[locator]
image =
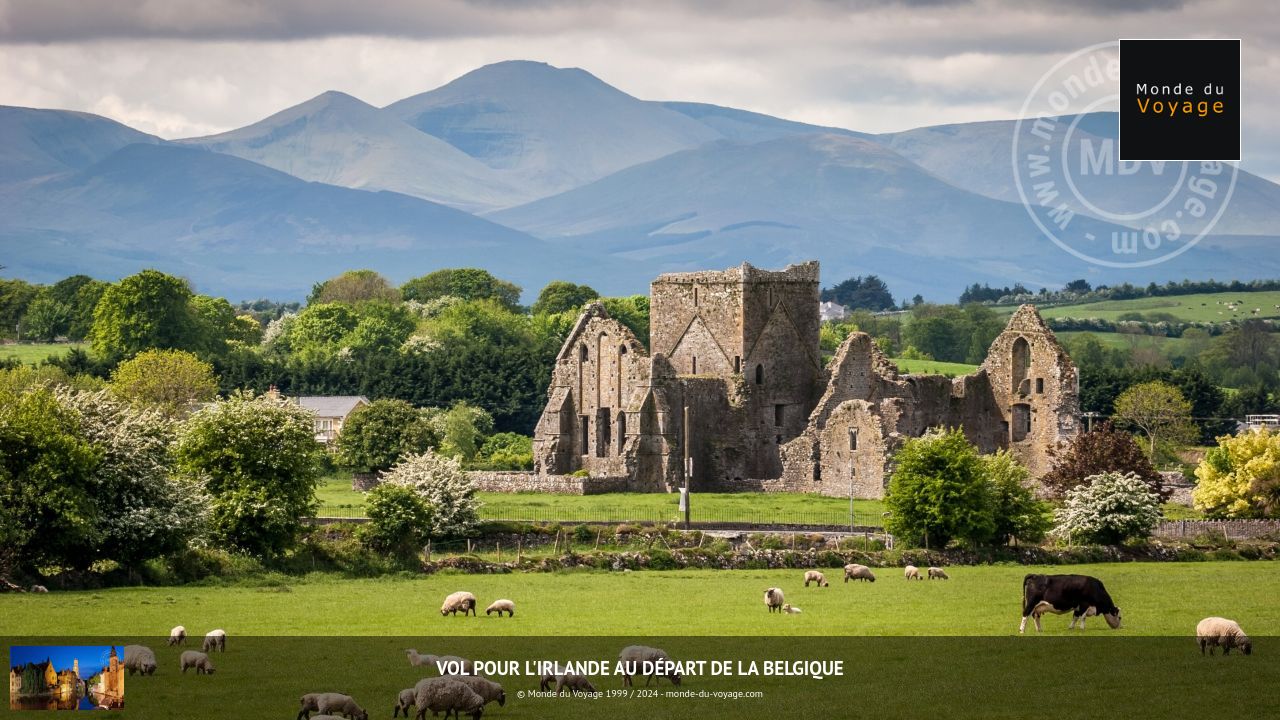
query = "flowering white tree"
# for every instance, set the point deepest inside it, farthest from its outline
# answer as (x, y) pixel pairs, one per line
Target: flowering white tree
(444, 487)
(1109, 509)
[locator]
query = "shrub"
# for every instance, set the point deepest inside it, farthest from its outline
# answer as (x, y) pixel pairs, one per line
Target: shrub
(447, 492)
(1112, 508)
(1241, 477)
(376, 436)
(1016, 511)
(506, 451)
(1105, 449)
(400, 520)
(939, 492)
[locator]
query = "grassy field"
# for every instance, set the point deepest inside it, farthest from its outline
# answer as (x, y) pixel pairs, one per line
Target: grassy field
(1168, 346)
(1205, 307)
(934, 367)
(33, 353)
(909, 649)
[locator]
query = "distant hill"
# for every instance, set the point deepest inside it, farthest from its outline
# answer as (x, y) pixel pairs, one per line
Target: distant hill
(39, 143)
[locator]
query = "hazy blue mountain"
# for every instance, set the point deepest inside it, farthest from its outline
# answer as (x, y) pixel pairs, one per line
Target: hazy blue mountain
(244, 230)
(977, 157)
(335, 138)
(746, 126)
(549, 129)
(36, 143)
(853, 204)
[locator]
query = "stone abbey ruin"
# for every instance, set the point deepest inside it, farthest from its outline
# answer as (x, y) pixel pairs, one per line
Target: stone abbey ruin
(736, 352)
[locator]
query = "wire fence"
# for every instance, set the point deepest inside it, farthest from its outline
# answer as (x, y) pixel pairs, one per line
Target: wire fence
(650, 516)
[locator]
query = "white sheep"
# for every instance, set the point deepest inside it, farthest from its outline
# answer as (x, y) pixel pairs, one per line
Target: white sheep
(1213, 632)
(640, 654)
(177, 636)
(447, 694)
(773, 599)
(815, 576)
(501, 606)
(434, 661)
(215, 640)
(574, 684)
(403, 702)
(460, 601)
(911, 572)
(139, 659)
(791, 609)
(198, 660)
(549, 678)
(416, 658)
(331, 703)
(484, 687)
(853, 571)
(39, 589)
(937, 573)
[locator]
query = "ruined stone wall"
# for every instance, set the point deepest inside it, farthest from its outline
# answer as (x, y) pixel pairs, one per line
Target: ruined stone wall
(530, 481)
(705, 306)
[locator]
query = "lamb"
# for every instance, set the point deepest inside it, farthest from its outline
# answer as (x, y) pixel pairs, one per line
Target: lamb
(416, 659)
(215, 640)
(459, 601)
(773, 599)
(177, 636)
(139, 659)
(484, 687)
(858, 572)
(937, 573)
(434, 661)
(330, 703)
(815, 576)
(501, 606)
(403, 703)
(791, 609)
(575, 684)
(197, 660)
(640, 654)
(549, 678)
(447, 694)
(911, 572)
(1213, 632)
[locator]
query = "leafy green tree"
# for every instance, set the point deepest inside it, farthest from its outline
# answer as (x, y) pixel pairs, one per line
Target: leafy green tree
(381, 328)
(1017, 513)
(215, 323)
(447, 492)
(939, 492)
(353, 287)
(258, 460)
(506, 451)
(377, 435)
(46, 317)
(462, 430)
(1104, 449)
(1159, 412)
(464, 283)
(632, 311)
(171, 381)
(321, 327)
(15, 296)
(144, 311)
(560, 296)
(867, 293)
(1240, 478)
(1109, 510)
(400, 520)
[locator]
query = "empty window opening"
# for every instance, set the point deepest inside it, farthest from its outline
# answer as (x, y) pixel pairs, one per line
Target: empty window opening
(582, 353)
(778, 439)
(853, 439)
(695, 364)
(584, 426)
(605, 428)
(1021, 362)
(759, 374)
(695, 296)
(779, 412)
(737, 363)
(1039, 386)
(622, 430)
(1021, 421)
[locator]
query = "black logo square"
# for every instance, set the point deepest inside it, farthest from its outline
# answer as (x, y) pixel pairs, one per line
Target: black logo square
(1180, 100)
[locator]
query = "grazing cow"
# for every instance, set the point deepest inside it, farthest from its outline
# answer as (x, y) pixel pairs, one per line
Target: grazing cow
(1080, 595)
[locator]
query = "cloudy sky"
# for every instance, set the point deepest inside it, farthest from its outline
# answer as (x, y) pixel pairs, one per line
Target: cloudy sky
(178, 68)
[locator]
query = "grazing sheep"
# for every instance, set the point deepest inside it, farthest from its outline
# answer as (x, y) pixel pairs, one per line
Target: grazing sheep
(215, 640)
(460, 601)
(484, 687)
(139, 659)
(640, 654)
(433, 661)
(331, 703)
(177, 636)
(815, 576)
(937, 573)
(549, 678)
(403, 703)
(858, 572)
(575, 684)
(197, 660)
(416, 659)
(501, 606)
(791, 609)
(911, 572)
(773, 599)
(1213, 632)
(39, 589)
(449, 695)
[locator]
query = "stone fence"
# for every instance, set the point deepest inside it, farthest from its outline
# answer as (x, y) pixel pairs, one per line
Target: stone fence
(529, 481)
(1231, 529)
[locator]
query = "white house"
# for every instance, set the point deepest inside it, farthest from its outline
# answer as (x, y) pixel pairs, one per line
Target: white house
(331, 412)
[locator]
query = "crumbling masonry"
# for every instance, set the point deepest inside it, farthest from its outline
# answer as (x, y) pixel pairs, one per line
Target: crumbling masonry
(737, 353)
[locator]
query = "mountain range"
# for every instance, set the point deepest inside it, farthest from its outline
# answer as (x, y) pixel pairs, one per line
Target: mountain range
(540, 173)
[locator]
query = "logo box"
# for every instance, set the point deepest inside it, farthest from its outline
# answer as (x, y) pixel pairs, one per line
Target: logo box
(1180, 100)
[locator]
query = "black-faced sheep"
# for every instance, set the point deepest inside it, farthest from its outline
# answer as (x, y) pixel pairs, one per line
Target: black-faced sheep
(139, 659)
(815, 576)
(198, 660)
(501, 606)
(331, 703)
(449, 695)
(640, 654)
(215, 640)
(1215, 632)
(177, 636)
(461, 601)
(773, 599)
(403, 702)
(937, 573)
(854, 571)
(911, 572)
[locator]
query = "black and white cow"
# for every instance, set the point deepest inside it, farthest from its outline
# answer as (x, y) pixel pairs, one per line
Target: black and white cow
(1080, 595)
